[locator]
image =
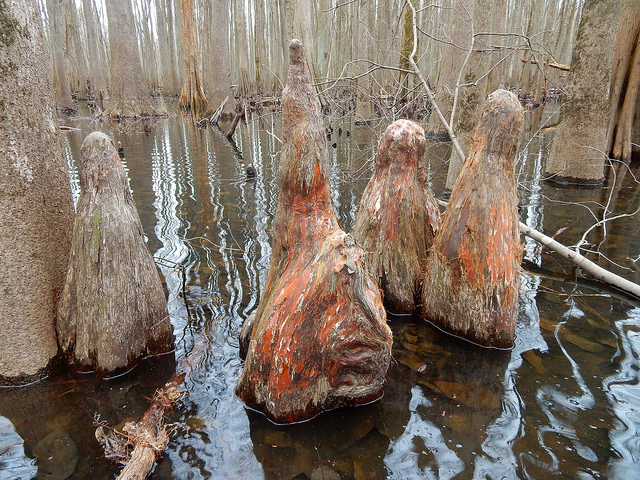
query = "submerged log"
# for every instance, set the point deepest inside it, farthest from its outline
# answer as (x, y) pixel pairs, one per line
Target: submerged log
(398, 217)
(113, 310)
(472, 277)
(319, 338)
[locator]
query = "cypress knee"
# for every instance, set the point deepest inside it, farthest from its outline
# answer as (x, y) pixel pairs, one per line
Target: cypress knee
(319, 338)
(113, 310)
(398, 217)
(472, 277)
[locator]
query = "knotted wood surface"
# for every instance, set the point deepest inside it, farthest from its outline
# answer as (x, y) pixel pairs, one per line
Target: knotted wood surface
(113, 309)
(398, 217)
(472, 277)
(319, 338)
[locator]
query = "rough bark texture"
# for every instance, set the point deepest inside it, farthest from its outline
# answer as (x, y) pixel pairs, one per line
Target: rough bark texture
(192, 97)
(36, 211)
(472, 277)
(320, 338)
(398, 217)
(625, 83)
(113, 310)
(129, 94)
(578, 152)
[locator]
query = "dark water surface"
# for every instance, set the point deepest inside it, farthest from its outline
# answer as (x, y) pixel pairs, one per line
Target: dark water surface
(564, 402)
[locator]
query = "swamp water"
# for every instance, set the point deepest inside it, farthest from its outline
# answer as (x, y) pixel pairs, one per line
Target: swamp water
(564, 402)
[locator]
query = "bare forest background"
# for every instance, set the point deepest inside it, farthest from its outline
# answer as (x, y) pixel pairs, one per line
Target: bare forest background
(359, 51)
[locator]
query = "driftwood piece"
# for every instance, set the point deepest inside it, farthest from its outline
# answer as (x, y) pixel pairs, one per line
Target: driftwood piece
(398, 217)
(319, 338)
(113, 309)
(148, 437)
(472, 277)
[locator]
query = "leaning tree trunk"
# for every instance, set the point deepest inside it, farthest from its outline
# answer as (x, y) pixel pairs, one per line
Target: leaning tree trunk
(36, 211)
(472, 277)
(398, 216)
(319, 339)
(113, 310)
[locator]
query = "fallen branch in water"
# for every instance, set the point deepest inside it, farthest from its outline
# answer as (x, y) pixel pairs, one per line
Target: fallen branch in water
(149, 436)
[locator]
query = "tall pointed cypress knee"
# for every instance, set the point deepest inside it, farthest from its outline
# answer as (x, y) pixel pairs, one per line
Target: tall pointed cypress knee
(398, 217)
(319, 339)
(472, 277)
(113, 309)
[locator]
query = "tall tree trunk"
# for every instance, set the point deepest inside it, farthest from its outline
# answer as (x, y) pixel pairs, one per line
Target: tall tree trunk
(97, 56)
(36, 211)
(55, 9)
(129, 95)
(319, 338)
(398, 217)
(472, 277)
(112, 310)
(217, 79)
(167, 43)
(192, 97)
(625, 83)
(579, 152)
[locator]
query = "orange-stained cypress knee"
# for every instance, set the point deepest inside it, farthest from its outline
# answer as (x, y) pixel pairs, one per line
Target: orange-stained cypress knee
(319, 338)
(398, 217)
(473, 270)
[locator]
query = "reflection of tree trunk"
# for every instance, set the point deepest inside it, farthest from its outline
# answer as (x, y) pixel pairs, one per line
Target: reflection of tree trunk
(578, 151)
(192, 97)
(473, 272)
(36, 212)
(625, 83)
(319, 338)
(129, 96)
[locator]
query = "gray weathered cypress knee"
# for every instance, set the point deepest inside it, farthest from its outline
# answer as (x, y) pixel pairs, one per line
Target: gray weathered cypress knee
(398, 217)
(113, 310)
(473, 276)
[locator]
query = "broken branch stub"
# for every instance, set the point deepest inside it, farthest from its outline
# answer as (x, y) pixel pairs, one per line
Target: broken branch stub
(112, 311)
(319, 338)
(472, 277)
(398, 216)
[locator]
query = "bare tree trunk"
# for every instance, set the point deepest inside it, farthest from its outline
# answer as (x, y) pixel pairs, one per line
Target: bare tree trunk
(55, 9)
(98, 63)
(398, 217)
(217, 79)
(472, 277)
(192, 97)
(625, 83)
(579, 147)
(129, 95)
(36, 212)
(112, 310)
(319, 338)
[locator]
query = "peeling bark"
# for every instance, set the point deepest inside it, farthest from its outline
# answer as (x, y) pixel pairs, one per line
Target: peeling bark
(472, 277)
(398, 217)
(320, 338)
(113, 310)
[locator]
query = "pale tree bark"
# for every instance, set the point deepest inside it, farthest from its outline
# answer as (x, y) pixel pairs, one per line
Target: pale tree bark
(167, 35)
(129, 94)
(36, 211)
(77, 51)
(215, 41)
(625, 83)
(57, 32)
(300, 24)
(364, 47)
(97, 54)
(192, 97)
(579, 147)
